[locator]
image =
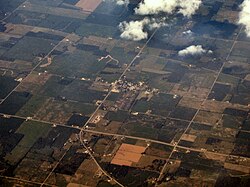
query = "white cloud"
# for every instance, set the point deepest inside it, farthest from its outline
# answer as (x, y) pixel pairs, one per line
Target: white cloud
(157, 23)
(151, 7)
(188, 32)
(210, 52)
(137, 30)
(193, 50)
(189, 7)
(134, 30)
(120, 2)
(245, 16)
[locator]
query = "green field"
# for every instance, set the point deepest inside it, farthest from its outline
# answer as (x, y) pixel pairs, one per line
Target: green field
(32, 131)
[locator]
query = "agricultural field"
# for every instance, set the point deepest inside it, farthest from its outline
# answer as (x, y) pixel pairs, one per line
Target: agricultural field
(87, 101)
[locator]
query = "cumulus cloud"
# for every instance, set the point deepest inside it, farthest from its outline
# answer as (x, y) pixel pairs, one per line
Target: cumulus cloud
(149, 7)
(157, 23)
(245, 16)
(134, 30)
(122, 2)
(193, 50)
(137, 30)
(188, 32)
(119, 2)
(189, 7)
(185, 7)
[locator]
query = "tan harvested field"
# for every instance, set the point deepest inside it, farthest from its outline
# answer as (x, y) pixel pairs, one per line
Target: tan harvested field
(219, 107)
(96, 41)
(88, 5)
(121, 162)
(191, 92)
(33, 82)
(132, 148)
(237, 167)
(188, 137)
(76, 185)
(190, 102)
(209, 118)
(215, 156)
(128, 154)
(40, 79)
(215, 106)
